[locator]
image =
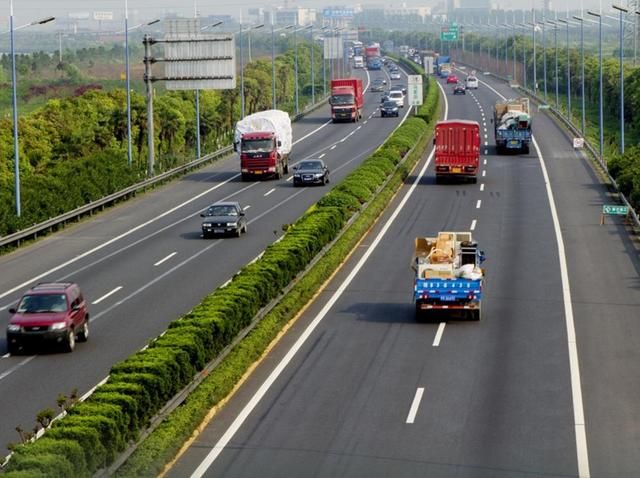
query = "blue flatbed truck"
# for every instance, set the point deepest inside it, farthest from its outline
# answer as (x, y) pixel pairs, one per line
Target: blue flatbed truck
(512, 125)
(449, 280)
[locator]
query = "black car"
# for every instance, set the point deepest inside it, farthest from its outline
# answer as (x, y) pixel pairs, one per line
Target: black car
(224, 218)
(389, 108)
(459, 88)
(310, 171)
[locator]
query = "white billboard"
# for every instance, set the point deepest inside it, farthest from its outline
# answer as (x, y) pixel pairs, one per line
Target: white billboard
(333, 48)
(103, 16)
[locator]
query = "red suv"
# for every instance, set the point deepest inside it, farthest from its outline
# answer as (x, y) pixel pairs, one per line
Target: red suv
(51, 312)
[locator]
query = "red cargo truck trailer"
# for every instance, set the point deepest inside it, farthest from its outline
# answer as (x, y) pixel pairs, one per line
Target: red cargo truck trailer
(457, 150)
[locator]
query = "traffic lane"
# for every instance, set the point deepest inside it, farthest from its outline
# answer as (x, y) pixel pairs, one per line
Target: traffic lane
(520, 243)
(133, 272)
(604, 269)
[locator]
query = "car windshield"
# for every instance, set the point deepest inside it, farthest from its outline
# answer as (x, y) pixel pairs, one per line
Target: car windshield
(341, 100)
(389, 104)
(472, 79)
(396, 94)
(222, 211)
(41, 303)
(310, 165)
(257, 145)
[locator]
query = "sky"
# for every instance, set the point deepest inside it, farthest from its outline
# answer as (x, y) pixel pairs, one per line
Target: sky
(28, 10)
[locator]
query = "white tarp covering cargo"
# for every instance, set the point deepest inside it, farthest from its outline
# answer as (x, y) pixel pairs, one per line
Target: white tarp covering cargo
(269, 120)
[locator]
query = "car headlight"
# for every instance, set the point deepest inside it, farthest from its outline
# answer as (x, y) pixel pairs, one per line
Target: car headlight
(206, 224)
(297, 175)
(13, 328)
(58, 326)
(319, 175)
(232, 224)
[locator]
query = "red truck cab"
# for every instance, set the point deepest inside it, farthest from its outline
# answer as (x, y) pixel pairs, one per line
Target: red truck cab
(259, 155)
(346, 99)
(457, 150)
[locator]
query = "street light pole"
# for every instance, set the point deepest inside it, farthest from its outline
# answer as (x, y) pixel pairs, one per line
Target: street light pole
(583, 119)
(555, 43)
(601, 120)
(622, 10)
(127, 80)
(544, 58)
(566, 22)
(273, 62)
(295, 46)
(242, 68)
(313, 76)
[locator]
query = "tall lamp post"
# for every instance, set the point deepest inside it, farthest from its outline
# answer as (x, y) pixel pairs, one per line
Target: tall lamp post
(273, 61)
(600, 120)
(566, 22)
(583, 119)
(255, 27)
(622, 10)
(555, 44)
(544, 57)
(14, 97)
(524, 59)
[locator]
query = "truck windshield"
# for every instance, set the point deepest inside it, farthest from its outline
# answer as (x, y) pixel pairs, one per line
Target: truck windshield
(342, 100)
(257, 145)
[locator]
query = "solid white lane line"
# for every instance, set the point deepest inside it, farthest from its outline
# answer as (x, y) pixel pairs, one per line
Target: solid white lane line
(333, 147)
(269, 191)
(582, 449)
(273, 376)
(414, 405)
(439, 332)
(473, 225)
(322, 155)
(479, 203)
(311, 133)
(482, 187)
(108, 294)
(3, 307)
(165, 259)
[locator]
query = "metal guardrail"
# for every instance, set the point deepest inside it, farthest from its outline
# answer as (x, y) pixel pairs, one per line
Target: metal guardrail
(46, 226)
(588, 146)
(33, 231)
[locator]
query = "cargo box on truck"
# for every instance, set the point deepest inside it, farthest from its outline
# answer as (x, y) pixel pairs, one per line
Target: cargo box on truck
(346, 99)
(457, 150)
(264, 141)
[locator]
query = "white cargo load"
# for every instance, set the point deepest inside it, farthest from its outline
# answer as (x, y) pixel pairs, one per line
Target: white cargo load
(269, 120)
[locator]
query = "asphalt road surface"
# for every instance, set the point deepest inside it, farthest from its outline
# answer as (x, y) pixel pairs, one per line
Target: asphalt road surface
(144, 263)
(545, 385)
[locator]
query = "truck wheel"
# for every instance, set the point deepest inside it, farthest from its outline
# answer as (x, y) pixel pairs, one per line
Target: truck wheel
(474, 180)
(244, 177)
(14, 349)
(525, 149)
(476, 314)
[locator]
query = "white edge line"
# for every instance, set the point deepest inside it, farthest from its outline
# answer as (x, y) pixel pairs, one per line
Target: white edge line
(413, 411)
(165, 259)
(106, 295)
(438, 337)
(255, 399)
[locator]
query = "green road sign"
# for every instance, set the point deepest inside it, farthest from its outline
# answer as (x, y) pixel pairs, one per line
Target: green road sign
(449, 35)
(615, 210)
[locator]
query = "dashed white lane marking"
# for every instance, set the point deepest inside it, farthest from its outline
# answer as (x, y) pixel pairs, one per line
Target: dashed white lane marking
(269, 191)
(333, 147)
(479, 203)
(484, 173)
(365, 122)
(17, 366)
(7, 355)
(3, 307)
(357, 128)
(482, 187)
(108, 294)
(439, 332)
(413, 411)
(322, 155)
(288, 179)
(473, 225)
(485, 152)
(165, 259)
(249, 205)
(486, 143)
(486, 135)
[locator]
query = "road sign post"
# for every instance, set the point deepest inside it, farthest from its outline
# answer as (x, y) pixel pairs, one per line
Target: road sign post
(414, 93)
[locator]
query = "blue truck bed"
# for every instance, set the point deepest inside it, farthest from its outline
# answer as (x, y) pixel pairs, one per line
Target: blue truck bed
(462, 295)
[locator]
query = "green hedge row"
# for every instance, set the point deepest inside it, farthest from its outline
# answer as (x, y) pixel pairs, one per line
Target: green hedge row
(95, 431)
(625, 169)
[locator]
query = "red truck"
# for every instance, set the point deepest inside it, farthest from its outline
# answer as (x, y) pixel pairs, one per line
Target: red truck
(346, 99)
(372, 50)
(457, 146)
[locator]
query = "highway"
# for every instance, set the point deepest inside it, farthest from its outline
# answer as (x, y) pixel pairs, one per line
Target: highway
(144, 263)
(545, 385)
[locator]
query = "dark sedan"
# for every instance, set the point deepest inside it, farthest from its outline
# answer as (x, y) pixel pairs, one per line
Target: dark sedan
(224, 218)
(389, 108)
(310, 171)
(378, 85)
(459, 89)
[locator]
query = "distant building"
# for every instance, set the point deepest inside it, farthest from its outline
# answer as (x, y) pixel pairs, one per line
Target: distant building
(289, 16)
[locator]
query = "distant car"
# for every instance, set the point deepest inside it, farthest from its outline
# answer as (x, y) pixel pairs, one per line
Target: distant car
(459, 88)
(384, 97)
(389, 108)
(395, 75)
(398, 97)
(452, 78)
(310, 171)
(393, 68)
(378, 85)
(224, 218)
(472, 82)
(50, 312)
(399, 86)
